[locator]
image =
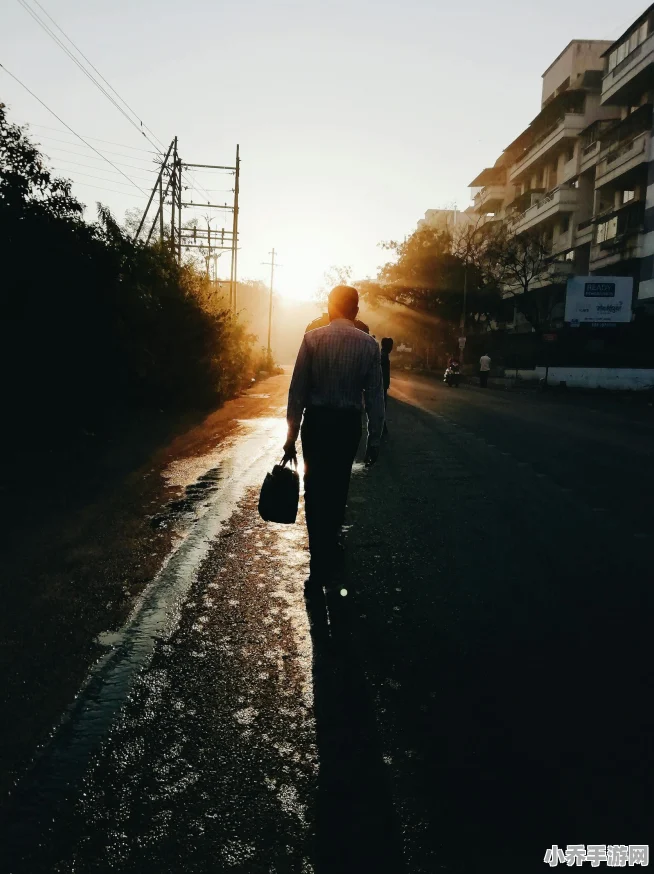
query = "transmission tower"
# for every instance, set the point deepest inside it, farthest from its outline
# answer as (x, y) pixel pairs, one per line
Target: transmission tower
(168, 188)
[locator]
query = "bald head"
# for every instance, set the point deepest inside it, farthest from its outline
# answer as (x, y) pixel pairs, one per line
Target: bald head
(343, 302)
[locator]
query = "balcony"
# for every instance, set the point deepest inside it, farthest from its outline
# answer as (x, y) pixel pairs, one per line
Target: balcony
(559, 200)
(567, 127)
(622, 247)
(564, 242)
(584, 233)
(618, 160)
(629, 76)
(618, 235)
(489, 199)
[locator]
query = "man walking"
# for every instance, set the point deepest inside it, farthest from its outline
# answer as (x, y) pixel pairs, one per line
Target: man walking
(336, 375)
(386, 349)
(484, 370)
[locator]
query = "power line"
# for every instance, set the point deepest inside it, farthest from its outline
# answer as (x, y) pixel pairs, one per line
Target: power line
(113, 190)
(140, 126)
(80, 173)
(81, 66)
(124, 102)
(61, 121)
(105, 151)
(92, 158)
(97, 139)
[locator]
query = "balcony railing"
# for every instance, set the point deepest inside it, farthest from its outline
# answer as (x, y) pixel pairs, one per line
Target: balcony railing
(491, 194)
(561, 199)
(616, 157)
(568, 125)
(619, 76)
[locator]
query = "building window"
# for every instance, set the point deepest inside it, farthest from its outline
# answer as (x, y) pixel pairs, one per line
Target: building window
(565, 224)
(607, 230)
(643, 31)
(628, 195)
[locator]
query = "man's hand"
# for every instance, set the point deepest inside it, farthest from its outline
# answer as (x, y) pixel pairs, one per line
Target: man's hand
(372, 454)
(290, 452)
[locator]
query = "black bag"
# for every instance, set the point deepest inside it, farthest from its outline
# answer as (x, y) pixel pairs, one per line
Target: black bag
(280, 495)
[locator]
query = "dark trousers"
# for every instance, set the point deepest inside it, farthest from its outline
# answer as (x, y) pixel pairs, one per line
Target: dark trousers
(329, 444)
(483, 378)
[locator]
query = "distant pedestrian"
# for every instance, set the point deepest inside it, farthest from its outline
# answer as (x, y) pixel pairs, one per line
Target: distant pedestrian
(386, 349)
(336, 374)
(484, 370)
(323, 320)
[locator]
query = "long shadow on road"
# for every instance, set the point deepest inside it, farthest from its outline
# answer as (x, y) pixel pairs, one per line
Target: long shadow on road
(506, 638)
(356, 827)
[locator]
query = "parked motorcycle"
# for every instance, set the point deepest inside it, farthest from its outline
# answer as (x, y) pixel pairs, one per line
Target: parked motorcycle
(452, 375)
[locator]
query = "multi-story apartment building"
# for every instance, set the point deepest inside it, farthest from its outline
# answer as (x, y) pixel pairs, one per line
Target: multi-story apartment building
(582, 173)
(449, 220)
(623, 232)
(544, 180)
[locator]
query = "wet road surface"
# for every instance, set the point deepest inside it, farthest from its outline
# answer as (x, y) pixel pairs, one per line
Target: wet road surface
(474, 689)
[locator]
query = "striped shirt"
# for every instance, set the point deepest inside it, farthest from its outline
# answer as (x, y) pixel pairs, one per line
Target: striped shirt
(338, 367)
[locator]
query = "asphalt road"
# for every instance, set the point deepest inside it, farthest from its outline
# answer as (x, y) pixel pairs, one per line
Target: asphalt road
(474, 689)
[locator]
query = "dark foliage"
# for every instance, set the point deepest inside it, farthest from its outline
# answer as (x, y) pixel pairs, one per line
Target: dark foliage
(92, 322)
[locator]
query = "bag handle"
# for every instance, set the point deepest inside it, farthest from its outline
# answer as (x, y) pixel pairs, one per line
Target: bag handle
(285, 461)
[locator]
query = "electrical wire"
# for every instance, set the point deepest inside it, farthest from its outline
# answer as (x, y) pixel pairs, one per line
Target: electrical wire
(61, 121)
(97, 139)
(81, 66)
(113, 190)
(92, 158)
(104, 151)
(140, 126)
(95, 69)
(90, 167)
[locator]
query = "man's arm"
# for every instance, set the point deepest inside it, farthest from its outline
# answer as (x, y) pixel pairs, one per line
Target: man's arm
(297, 397)
(373, 393)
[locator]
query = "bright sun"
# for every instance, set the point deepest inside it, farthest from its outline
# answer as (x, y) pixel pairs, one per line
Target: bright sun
(298, 282)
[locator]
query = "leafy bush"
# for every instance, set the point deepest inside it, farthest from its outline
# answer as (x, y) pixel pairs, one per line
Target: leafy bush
(92, 321)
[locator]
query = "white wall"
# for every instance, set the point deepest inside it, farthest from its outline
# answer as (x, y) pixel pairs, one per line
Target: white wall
(579, 56)
(616, 378)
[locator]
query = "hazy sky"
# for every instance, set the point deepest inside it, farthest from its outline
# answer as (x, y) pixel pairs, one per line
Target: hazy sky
(353, 117)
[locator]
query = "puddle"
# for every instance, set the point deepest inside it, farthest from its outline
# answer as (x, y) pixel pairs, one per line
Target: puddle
(222, 477)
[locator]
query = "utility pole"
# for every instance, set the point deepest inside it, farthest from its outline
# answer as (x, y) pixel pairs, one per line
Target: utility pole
(178, 165)
(216, 240)
(173, 197)
(234, 267)
(272, 280)
(161, 215)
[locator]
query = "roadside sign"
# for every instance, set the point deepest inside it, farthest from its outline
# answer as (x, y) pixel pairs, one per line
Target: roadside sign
(595, 299)
(462, 342)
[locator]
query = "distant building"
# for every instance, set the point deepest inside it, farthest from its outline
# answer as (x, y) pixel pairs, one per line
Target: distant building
(544, 181)
(582, 173)
(623, 231)
(447, 219)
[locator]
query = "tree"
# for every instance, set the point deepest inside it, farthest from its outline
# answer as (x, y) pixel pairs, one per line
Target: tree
(27, 187)
(99, 322)
(332, 277)
(521, 264)
(428, 275)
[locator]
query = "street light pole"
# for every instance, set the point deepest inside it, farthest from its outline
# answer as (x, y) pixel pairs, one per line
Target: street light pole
(270, 305)
(462, 324)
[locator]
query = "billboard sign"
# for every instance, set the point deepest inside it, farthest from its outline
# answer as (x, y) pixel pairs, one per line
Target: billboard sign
(598, 299)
